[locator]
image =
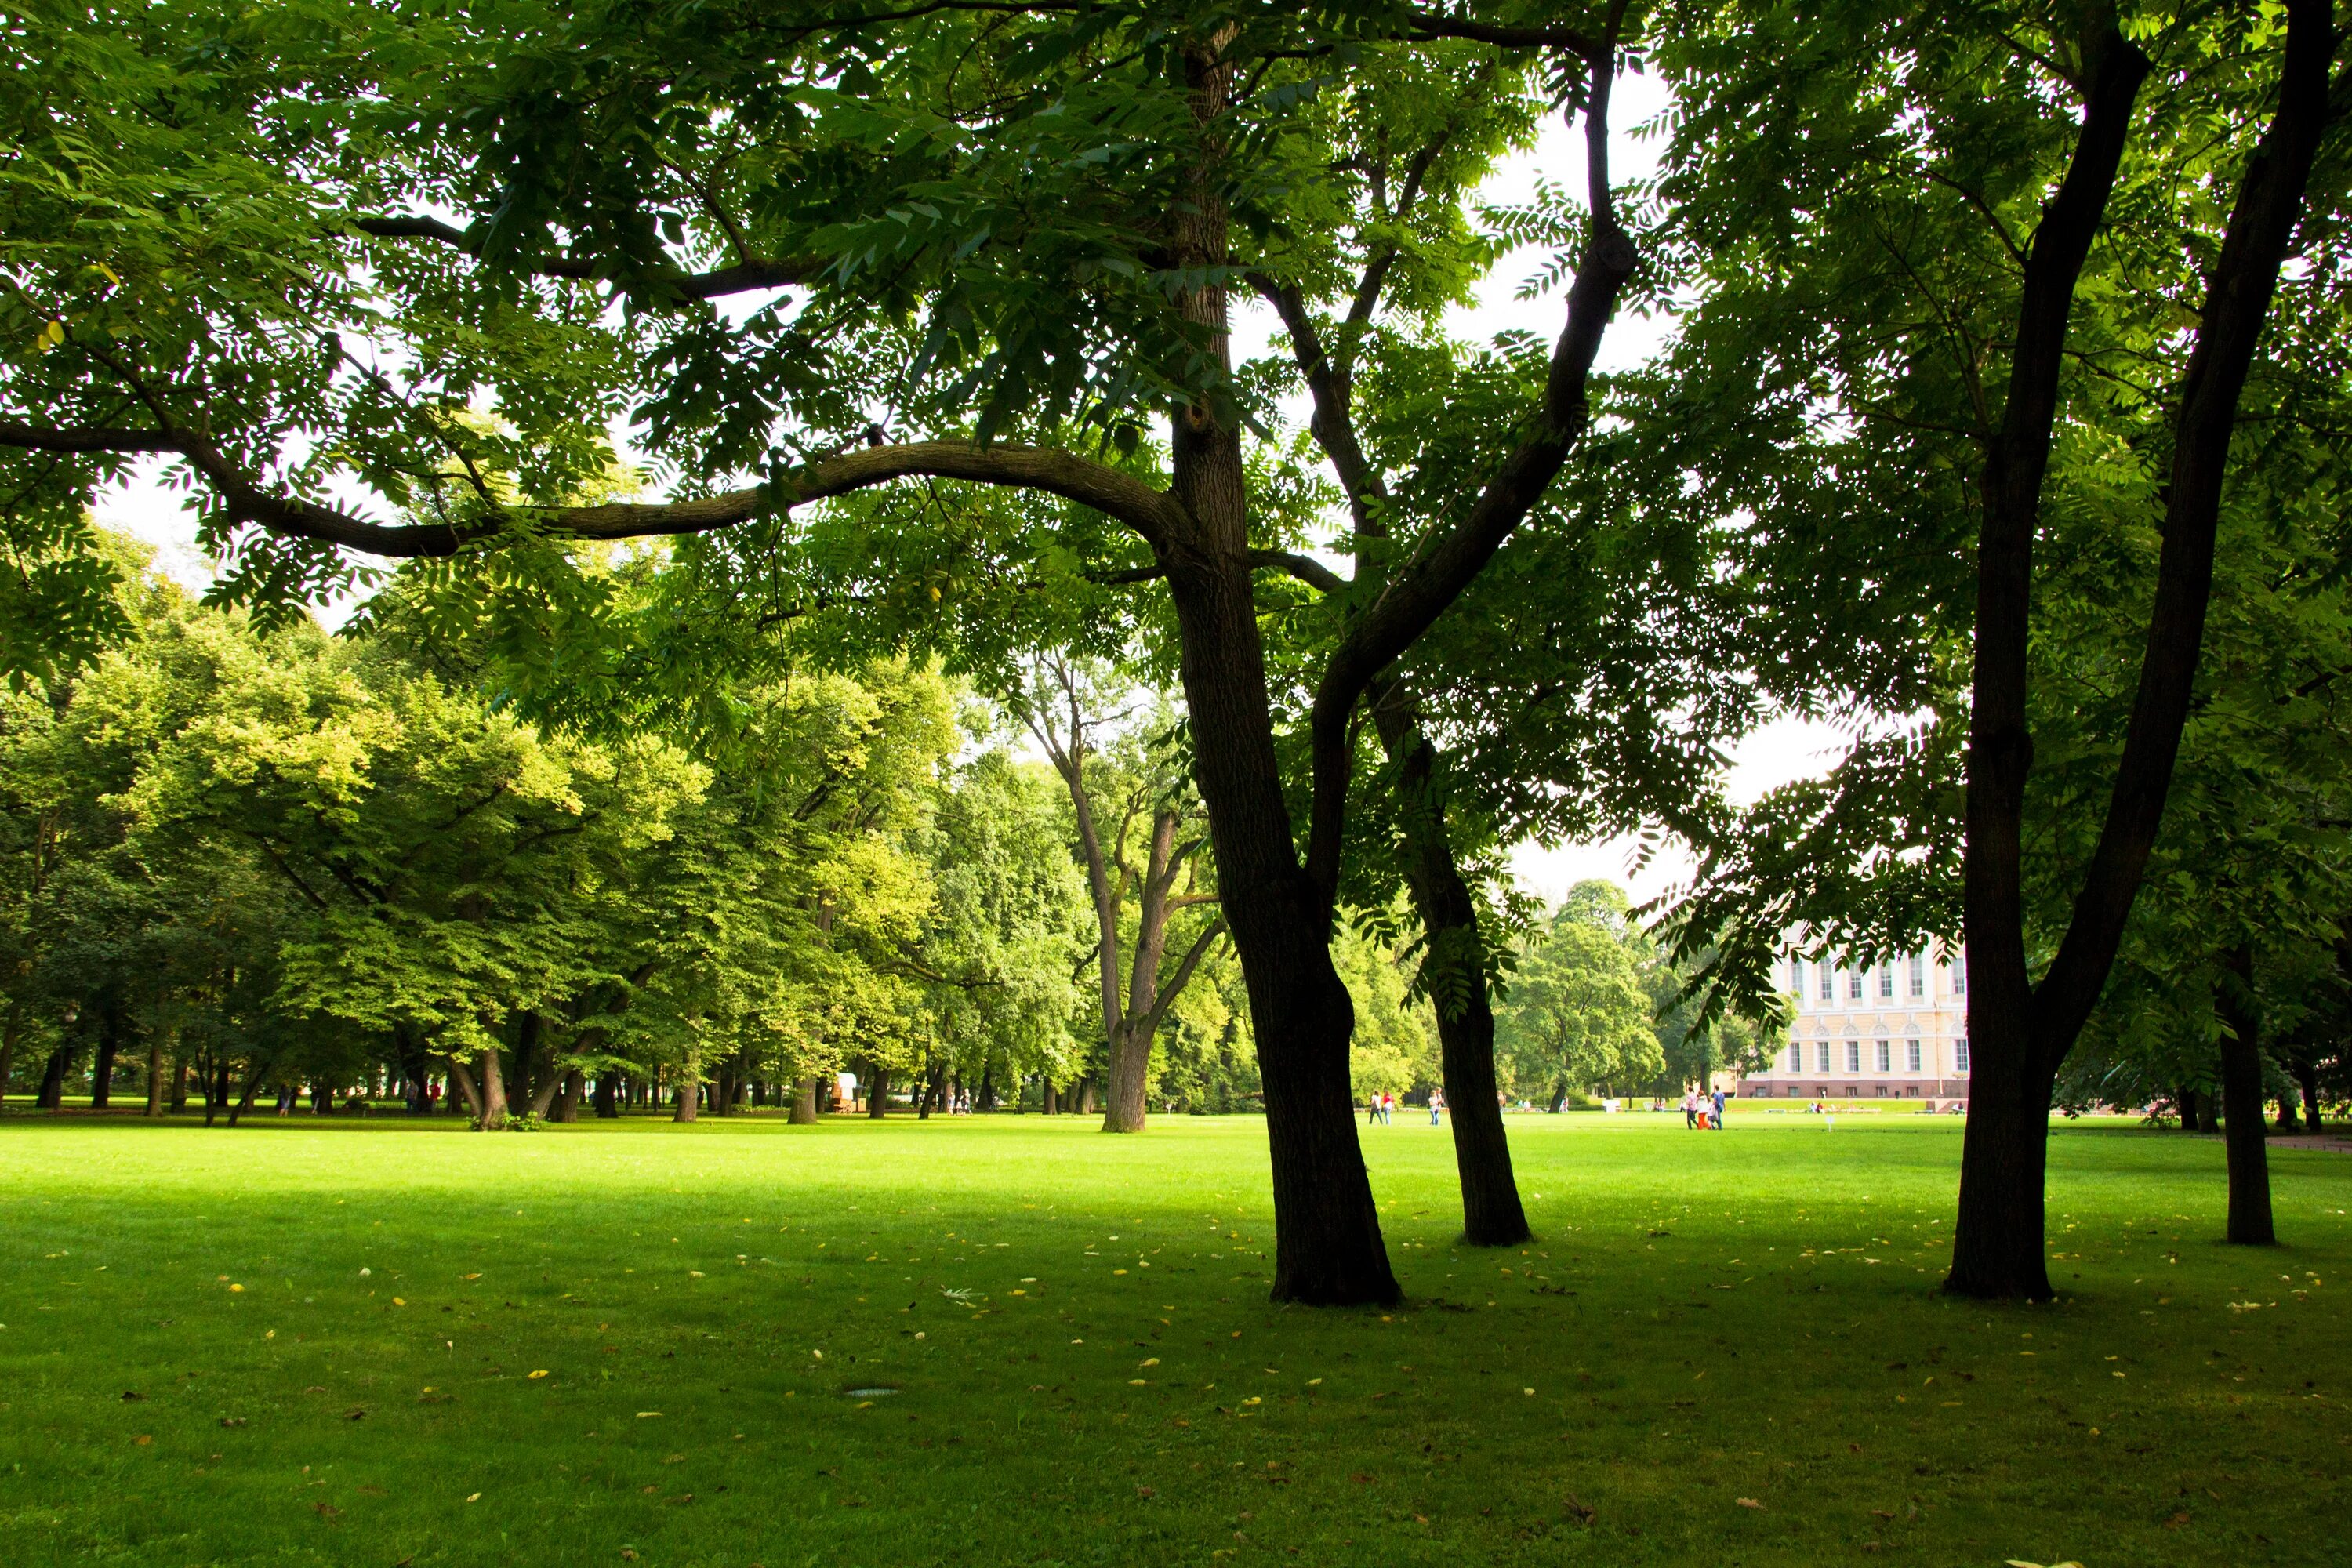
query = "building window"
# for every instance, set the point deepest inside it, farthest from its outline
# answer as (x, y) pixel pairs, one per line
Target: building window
(1918, 975)
(1886, 1056)
(1822, 1055)
(1959, 1055)
(1796, 1058)
(1911, 1092)
(1910, 1056)
(1882, 1092)
(1853, 984)
(1853, 1056)
(1886, 979)
(1960, 972)
(1796, 977)
(1828, 974)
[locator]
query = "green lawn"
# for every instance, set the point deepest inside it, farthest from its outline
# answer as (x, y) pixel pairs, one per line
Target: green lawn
(307, 1341)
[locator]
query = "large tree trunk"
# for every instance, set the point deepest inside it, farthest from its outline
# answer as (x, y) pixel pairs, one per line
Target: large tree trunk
(724, 1090)
(530, 1068)
(608, 1096)
(179, 1085)
(689, 1089)
(567, 1102)
(877, 1094)
(1454, 971)
(52, 1095)
(2243, 1135)
(804, 1112)
(494, 1092)
(461, 1078)
(1997, 1241)
(2185, 1099)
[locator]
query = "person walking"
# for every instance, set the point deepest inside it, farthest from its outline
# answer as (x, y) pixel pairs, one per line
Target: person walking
(1436, 1104)
(1372, 1109)
(1690, 1109)
(1719, 1098)
(1388, 1107)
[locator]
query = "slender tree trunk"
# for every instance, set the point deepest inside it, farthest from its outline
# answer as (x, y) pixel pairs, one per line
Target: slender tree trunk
(110, 1046)
(1050, 1103)
(1455, 974)
(804, 1112)
(2287, 1119)
(179, 1085)
(154, 1078)
(725, 1088)
(2209, 1114)
(2243, 1133)
(529, 1066)
(2306, 1077)
(877, 1094)
(2185, 1099)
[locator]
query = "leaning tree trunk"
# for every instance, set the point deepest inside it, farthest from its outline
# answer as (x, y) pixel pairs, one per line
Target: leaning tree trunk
(567, 1101)
(1455, 974)
(804, 1113)
(2243, 1136)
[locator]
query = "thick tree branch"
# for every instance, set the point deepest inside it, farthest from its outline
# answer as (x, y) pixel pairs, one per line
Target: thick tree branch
(1152, 514)
(1436, 577)
(741, 278)
(1437, 25)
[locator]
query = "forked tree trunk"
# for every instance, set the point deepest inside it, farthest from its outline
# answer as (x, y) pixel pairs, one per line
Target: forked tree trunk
(2243, 1136)
(2021, 1032)
(608, 1096)
(804, 1112)
(567, 1102)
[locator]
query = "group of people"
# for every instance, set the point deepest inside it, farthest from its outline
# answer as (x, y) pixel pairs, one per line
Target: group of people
(1380, 1107)
(1703, 1111)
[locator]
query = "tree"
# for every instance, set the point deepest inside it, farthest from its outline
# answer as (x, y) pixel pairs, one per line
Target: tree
(1579, 1017)
(1990, 229)
(1159, 814)
(890, 168)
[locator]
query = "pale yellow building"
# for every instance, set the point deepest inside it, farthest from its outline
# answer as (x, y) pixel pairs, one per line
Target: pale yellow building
(1893, 1030)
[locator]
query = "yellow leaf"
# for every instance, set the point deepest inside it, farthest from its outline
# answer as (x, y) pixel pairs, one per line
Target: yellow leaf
(236, 1290)
(539, 1374)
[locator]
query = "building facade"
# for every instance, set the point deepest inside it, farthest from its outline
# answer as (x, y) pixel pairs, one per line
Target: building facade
(1893, 1030)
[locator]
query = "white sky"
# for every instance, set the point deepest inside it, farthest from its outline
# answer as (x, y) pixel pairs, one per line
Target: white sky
(147, 508)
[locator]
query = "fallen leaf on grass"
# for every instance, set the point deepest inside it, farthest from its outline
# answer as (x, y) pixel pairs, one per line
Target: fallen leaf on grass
(327, 1511)
(473, 1497)
(130, 1393)
(539, 1374)
(1145, 1491)
(355, 1414)
(143, 1440)
(1584, 1515)
(232, 1420)
(1746, 1502)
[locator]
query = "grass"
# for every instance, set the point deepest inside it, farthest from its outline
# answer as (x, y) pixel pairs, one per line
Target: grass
(335, 1333)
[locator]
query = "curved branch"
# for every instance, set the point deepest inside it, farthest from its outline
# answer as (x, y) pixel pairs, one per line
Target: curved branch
(742, 278)
(1152, 513)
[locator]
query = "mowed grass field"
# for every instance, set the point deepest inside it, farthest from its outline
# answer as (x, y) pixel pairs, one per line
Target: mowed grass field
(367, 1342)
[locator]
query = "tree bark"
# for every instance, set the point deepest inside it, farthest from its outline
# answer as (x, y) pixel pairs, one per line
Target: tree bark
(567, 1103)
(689, 1088)
(154, 1078)
(2306, 1077)
(2021, 1032)
(804, 1112)
(1454, 971)
(179, 1085)
(877, 1094)
(52, 1095)
(2185, 1100)
(461, 1078)
(608, 1096)
(494, 1091)
(2243, 1136)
